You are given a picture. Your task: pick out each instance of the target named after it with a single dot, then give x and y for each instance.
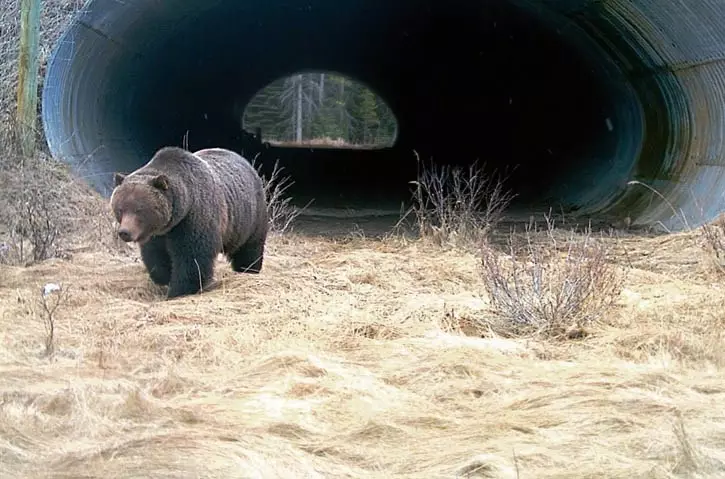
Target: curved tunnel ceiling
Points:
(580, 96)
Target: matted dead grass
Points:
(357, 359)
(325, 142)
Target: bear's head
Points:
(142, 205)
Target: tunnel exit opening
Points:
(320, 109)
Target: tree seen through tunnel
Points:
(321, 109)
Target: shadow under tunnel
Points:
(573, 98)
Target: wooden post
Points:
(27, 100)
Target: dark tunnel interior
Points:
(466, 80)
(511, 84)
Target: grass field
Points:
(361, 358)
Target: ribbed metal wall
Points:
(664, 55)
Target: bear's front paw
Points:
(160, 276)
(178, 291)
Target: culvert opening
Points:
(320, 110)
(567, 94)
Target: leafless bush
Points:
(457, 206)
(27, 210)
(713, 234)
(44, 210)
(281, 212)
(554, 287)
(52, 297)
(31, 215)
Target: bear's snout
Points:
(125, 235)
(129, 228)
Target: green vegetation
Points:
(322, 108)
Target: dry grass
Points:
(323, 142)
(357, 358)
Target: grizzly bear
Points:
(185, 208)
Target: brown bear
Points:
(185, 208)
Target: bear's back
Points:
(243, 191)
(228, 163)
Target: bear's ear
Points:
(161, 182)
(118, 178)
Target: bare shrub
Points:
(457, 206)
(27, 209)
(554, 287)
(713, 234)
(52, 297)
(45, 212)
(281, 212)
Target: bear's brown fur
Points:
(185, 208)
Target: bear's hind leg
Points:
(157, 261)
(248, 258)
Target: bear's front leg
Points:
(192, 262)
(157, 261)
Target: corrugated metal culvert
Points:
(130, 76)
